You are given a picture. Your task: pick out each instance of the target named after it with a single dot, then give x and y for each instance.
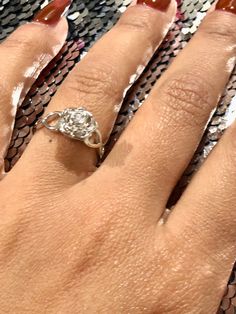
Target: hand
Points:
(76, 239)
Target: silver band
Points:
(76, 123)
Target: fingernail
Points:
(52, 13)
(226, 5)
(161, 5)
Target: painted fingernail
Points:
(226, 5)
(52, 13)
(161, 5)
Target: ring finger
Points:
(98, 83)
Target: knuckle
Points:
(217, 28)
(98, 80)
(188, 98)
(21, 39)
(130, 21)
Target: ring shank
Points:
(99, 144)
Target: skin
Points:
(74, 239)
(21, 67)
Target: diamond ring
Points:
(76, 123)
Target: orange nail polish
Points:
(226, 5)
(161, 5)
(52, 13)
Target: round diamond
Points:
(77, 123)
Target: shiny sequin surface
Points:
(88, 20)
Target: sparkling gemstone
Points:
(77, 123)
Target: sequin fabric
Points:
(88, 20)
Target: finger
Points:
(166, 131)
(24, 54)
(98, 83)
(204, 218)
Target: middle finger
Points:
(168, 128)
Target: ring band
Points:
(75, 123)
